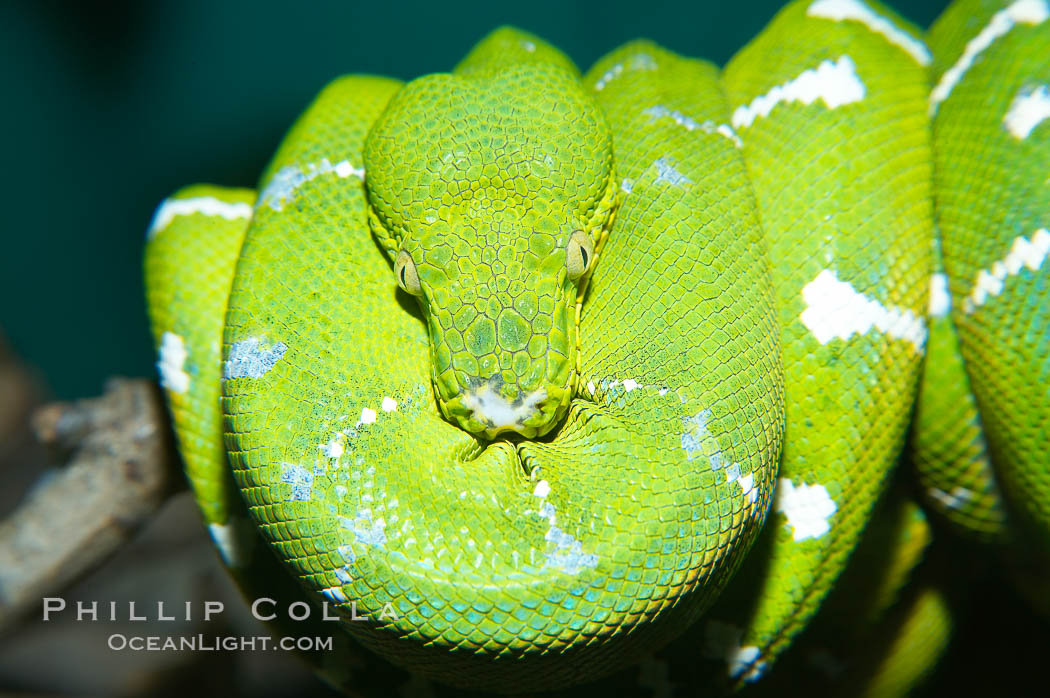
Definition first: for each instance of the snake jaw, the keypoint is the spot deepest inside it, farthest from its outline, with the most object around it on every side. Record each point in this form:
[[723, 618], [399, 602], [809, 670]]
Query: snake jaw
[[485, 411]]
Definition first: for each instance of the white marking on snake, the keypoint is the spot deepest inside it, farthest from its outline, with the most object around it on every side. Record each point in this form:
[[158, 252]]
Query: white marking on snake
[[365, 530], [347, 553], [697, 439], [389, 404], [627, 186], [368, 416], [655, 675], [491, 407], [281, 187], [746, 482], [733, 472], [747, 487], [722, 643], [630, 384], [1024, 252], [940, 299], [642, 61], [727, 131], [839, 10], [608, 76], [335, 594], [744, 663], [235, 541], [666, 172], [807, 508], [690, 124], [568, 555], [171, 363], [204, 205], [834, 309], [334, 448], [250, 359], [1029, 108], [836, 83], [956, 499], [1020, 12], [639, 61], [590, 387], [301, 480]]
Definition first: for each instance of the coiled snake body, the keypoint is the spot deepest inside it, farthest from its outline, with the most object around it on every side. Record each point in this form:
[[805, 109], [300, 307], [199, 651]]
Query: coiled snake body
[[516, 364]]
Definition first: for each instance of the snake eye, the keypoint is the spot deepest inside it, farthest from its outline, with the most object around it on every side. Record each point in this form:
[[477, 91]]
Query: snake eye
[[405, 271], [579, 254]]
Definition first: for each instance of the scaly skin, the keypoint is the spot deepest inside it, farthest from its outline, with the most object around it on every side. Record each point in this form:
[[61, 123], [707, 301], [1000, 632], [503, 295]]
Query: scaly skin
[[850, 648], [948, 446], [844, 196], [993, 197], [993, 201], [519, 395]]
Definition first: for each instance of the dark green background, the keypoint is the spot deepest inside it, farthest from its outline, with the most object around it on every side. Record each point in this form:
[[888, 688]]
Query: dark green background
[[109, 107]]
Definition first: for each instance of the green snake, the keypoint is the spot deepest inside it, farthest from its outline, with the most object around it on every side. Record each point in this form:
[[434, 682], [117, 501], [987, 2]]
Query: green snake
[[517, 364]]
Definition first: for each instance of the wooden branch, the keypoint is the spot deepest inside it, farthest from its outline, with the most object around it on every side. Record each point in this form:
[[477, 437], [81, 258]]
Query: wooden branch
[[120, 469]]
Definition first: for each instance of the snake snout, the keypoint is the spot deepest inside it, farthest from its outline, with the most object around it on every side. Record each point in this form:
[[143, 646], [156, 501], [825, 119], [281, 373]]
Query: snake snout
[[491, 408], [501, 409]]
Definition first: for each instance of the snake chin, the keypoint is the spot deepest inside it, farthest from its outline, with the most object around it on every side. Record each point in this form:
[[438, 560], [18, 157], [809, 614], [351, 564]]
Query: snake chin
[[485, 410]]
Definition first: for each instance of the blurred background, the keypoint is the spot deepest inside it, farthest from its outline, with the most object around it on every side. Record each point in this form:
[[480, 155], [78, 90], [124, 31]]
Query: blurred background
[[111, 106]]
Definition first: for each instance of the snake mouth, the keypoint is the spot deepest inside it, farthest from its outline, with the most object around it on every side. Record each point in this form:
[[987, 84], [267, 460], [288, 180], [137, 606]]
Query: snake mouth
[[486, 410]]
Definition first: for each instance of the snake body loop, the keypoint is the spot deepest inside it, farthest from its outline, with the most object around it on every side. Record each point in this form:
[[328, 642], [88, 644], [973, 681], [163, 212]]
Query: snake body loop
[[514, 363]]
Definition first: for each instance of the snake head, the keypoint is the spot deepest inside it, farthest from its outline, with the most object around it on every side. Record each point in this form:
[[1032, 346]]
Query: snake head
[[491, 193]]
